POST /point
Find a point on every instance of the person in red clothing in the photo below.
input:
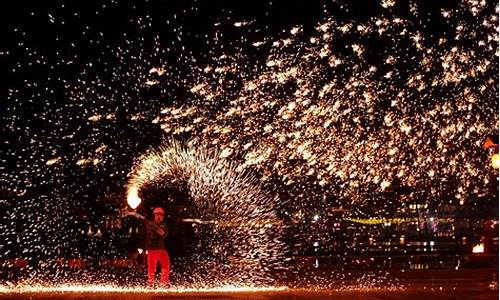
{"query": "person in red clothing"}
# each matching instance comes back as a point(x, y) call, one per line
point(156, 232)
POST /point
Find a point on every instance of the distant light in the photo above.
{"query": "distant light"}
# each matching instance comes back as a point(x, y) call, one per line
point(52, 161)
point(479, 248)
point(316, 218)
point(495, 161)
point(431, 219)
point(160, 71)
point(140, 250)
point(152, 82)
point(316, 244)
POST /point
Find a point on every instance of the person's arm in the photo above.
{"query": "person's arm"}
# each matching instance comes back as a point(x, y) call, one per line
point(162, 231)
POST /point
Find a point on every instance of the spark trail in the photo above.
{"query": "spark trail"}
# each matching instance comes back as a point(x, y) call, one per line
point(244, 245)
point(346, 107)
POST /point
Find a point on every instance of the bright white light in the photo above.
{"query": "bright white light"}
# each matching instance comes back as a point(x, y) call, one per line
point(133, 199)
point(316, 218)
point(93, 289)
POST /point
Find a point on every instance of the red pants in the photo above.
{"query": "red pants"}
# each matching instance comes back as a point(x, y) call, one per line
point(154, 256)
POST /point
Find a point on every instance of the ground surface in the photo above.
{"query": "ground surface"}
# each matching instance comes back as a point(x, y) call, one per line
point(292, 294)
point(475, 284)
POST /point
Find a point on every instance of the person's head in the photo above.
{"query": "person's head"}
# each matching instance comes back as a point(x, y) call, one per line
point(158, 215)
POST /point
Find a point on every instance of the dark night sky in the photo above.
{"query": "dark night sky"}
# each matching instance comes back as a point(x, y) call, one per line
point(63, 62)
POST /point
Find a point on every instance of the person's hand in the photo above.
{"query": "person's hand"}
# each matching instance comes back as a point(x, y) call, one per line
point(161, 232)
